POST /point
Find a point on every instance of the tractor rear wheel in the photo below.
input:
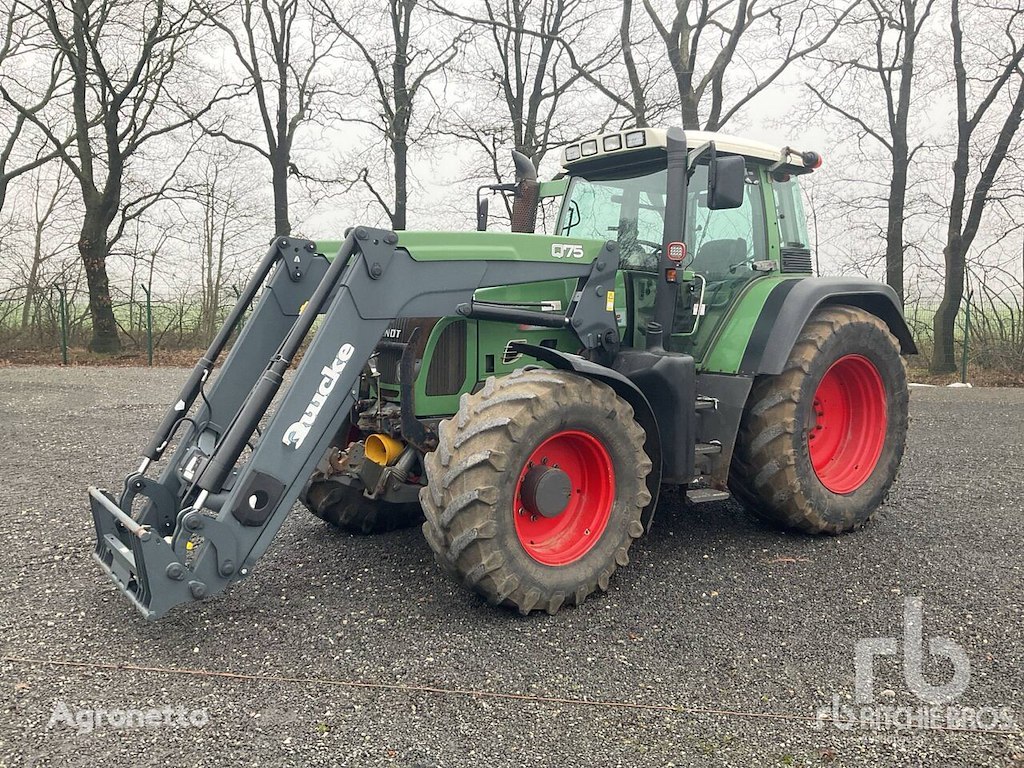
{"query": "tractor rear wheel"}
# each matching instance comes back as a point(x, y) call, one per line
point(345, 507)
point(820, 444)
point(535, 491)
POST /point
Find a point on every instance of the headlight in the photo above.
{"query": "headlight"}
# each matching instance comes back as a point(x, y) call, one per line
point(636, 139)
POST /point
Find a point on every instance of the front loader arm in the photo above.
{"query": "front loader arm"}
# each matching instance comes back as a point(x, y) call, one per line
point(236, 505)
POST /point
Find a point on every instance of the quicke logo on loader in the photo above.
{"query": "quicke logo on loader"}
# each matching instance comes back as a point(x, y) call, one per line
point(297, 431)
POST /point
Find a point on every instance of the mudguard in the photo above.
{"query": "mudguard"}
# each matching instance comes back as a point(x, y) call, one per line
point(790, 305)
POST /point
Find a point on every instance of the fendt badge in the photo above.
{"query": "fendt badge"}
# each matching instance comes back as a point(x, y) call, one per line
point(297, 432)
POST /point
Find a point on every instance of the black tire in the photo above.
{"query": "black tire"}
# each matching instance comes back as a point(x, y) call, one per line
point(773, 469)
point(474, 481)
point(345, 507)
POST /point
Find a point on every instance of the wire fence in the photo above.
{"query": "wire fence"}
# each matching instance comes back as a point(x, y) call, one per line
point(55, 327)
point(55, 324)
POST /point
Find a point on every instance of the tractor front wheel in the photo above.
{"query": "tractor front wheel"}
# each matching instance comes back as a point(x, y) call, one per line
point(345, 507)
point(819, 444)
point(535, 491)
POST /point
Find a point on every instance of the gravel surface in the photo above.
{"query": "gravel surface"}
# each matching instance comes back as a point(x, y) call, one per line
point(716, 612)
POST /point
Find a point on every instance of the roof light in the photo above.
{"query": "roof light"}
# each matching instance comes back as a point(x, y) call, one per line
point(636, 139)
point(572, 153)
point(589, 147)
point(611, 143)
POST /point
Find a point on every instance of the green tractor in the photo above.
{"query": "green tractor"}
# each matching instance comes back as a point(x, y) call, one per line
point(529, 396)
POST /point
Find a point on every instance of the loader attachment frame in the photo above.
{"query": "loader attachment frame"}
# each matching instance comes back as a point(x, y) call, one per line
point(222, 497)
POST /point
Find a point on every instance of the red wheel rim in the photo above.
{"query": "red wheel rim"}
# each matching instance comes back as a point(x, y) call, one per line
point(567, 537)
point(847, 424)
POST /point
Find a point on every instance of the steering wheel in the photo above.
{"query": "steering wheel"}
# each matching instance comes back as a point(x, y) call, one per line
point(641, 254)
point(655, 247)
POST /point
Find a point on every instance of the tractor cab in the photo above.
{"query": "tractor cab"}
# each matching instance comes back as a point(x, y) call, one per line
point(616, 187)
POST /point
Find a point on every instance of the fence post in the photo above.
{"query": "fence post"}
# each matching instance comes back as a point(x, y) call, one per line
point(149, 324)
point(967, 337)
point(63, 313)
point(241, 320)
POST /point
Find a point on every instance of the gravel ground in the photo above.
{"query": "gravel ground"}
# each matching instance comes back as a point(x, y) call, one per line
point(716, 612)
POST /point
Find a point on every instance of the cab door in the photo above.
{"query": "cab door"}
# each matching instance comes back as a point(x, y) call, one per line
point(723, 248)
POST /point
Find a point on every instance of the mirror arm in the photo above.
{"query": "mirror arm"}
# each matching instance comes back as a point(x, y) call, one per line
point(707, 148)
point(481, 207)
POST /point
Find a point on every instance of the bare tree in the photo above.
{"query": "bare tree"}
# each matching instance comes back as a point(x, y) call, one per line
point(997, 81)
point(535, 58)
point(222, 230)
point(531, 43)
point(705, 43)
point(636, 82)
point(21, 29)
point(637, 102)
point(123, 58)
point(886, 75)
point(50, 204)
point(281, 49)
point(400, 53)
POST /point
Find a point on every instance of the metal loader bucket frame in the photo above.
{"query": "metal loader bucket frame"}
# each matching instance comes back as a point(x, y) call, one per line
point(236, 503)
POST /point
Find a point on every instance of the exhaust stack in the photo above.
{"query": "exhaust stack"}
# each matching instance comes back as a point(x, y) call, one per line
point(527, 194)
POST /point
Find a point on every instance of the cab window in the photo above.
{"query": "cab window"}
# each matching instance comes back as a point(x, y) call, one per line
point(724, 246)
point(725, 242)
point(629, 210)
point(790, 207)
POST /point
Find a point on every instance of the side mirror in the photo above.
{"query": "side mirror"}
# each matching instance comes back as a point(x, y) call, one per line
point(726, 176)
point(481, 213)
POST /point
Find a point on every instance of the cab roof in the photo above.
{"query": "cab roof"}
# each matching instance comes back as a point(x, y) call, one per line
point(606, 145)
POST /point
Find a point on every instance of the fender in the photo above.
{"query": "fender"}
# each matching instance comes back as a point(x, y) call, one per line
point(791, 304)
point(625, 389)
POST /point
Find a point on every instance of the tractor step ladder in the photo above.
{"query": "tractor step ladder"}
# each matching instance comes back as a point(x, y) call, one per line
point(713, 448)
point(701, 495)
point(707, 449)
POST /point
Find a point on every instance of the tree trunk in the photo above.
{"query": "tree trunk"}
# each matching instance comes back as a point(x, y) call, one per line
point(944, 357)
point(33, 281)
point(691, 118)
point(279, 171)
point(401, 149)
point(636, 88)
point(37, 257)
point(92, 245)
point(401, 25)
point(894, 225)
